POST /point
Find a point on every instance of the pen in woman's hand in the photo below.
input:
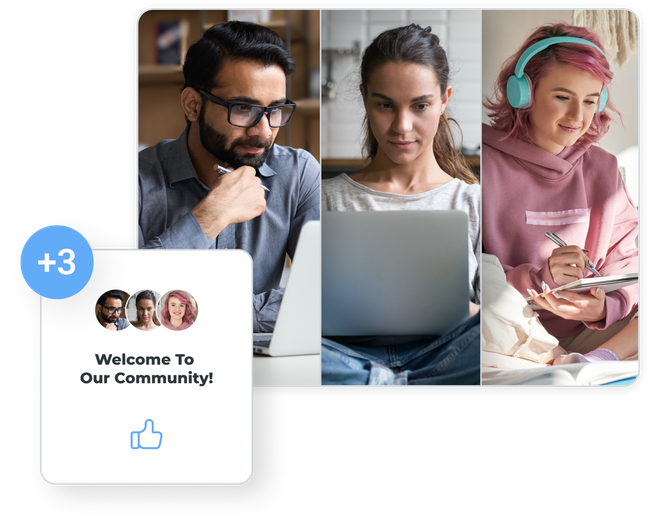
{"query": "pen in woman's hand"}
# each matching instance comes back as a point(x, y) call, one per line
point(590, 265)
point(222, 171)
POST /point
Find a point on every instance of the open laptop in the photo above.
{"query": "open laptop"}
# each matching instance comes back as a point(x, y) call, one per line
point(297, 329)
point(394, 273)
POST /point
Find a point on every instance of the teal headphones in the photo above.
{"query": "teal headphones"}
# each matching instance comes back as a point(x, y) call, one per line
point(519, 86)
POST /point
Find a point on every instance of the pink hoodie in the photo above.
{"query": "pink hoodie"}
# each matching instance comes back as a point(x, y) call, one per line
point(579, 195)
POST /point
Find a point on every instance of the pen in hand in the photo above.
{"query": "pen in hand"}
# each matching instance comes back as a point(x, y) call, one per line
point(223, 171)
point(590, 265)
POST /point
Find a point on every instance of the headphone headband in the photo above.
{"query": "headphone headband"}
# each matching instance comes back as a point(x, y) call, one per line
point(519, 86)
point(547, 42)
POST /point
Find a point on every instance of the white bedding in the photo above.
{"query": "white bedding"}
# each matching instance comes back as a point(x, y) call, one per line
point(595, 373)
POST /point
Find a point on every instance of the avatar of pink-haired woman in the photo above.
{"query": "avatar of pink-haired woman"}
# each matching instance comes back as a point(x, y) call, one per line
point(178, 312)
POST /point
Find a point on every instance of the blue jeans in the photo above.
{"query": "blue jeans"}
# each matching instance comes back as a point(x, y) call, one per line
point(451, 359)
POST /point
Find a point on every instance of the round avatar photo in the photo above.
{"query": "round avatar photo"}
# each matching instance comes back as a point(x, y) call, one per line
point(141, 310)
point(109, 310)
point(177, 310)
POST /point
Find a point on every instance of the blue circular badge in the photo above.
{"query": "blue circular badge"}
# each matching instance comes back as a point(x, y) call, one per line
point(57, 262)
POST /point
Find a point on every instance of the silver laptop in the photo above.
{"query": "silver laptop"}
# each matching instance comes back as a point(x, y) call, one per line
point(394, 273)
point(297, 329)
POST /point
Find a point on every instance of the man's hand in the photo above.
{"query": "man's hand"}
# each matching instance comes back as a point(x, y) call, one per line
point(235, 198)
point(111, 326)
point(585, 307)
point(567, 264)
point(473, 308)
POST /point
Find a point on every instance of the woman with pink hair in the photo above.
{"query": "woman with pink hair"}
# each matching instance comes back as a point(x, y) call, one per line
point(178, 312)
point(542, 172)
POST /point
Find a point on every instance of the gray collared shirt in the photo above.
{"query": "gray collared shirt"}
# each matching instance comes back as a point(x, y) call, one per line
point(169, 188)
point(120, 323)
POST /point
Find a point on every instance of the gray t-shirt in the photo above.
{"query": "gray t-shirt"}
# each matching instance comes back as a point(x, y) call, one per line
point(343, 194)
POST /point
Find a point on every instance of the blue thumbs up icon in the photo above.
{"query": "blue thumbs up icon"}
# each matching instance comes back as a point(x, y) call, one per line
point(147, 438)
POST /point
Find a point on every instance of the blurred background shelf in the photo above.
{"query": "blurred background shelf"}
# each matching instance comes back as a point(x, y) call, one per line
point(154, 73)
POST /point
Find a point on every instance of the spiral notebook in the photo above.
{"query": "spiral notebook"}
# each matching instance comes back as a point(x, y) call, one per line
point(608, 283)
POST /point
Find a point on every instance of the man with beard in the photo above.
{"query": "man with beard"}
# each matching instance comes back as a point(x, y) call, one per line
point(108, 310)
point(234, 100)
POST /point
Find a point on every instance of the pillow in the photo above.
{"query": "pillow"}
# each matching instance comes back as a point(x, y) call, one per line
point(509, 326)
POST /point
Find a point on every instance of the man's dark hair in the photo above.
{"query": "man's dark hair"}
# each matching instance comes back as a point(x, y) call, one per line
point(233, 41)
point(110, 294)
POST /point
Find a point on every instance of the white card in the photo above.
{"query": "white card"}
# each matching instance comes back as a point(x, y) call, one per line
point(181, 411)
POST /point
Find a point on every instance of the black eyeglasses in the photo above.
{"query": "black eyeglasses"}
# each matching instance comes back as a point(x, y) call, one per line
point(247, 115)
point(112, 310)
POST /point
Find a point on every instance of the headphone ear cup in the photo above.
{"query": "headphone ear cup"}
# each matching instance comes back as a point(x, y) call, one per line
point(603, 101)
point(518, 91)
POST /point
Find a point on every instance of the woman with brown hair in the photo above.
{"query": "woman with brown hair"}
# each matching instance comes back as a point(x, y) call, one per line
point(413, 164)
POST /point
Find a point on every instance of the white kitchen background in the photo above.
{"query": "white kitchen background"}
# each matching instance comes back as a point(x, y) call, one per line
point(346, 33)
